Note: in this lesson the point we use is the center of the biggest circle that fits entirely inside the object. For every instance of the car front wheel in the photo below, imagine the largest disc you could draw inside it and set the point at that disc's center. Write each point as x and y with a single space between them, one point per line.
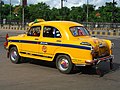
64 64
14 56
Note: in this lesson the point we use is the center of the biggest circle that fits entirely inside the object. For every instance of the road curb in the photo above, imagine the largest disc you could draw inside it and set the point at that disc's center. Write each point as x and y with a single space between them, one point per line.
101 33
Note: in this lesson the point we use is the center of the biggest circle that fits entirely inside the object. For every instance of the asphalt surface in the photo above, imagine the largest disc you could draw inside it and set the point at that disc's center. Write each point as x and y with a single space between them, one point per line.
37 75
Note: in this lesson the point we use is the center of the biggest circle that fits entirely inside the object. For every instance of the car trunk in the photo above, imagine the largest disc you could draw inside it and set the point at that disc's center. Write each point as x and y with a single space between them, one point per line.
100 47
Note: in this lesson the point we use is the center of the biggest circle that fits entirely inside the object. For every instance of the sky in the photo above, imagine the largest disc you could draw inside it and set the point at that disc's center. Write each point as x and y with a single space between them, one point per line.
69 3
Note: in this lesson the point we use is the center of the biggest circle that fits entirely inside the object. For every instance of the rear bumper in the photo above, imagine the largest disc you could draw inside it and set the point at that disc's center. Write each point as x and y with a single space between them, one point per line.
96 61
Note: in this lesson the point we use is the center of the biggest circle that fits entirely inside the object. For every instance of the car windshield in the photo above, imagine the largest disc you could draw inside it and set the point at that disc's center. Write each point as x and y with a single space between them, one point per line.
79 31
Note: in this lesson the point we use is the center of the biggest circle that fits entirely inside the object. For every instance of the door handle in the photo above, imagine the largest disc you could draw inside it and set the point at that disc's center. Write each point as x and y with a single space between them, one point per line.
36 39
58 40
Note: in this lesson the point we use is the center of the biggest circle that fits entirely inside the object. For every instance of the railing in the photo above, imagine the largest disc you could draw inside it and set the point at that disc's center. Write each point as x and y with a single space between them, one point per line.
115 27
102 29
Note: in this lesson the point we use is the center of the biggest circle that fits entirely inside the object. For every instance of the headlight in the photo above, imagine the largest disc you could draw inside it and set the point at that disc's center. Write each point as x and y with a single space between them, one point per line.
85 43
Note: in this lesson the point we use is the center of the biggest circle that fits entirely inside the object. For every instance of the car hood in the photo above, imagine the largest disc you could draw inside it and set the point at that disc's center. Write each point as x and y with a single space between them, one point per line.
16 37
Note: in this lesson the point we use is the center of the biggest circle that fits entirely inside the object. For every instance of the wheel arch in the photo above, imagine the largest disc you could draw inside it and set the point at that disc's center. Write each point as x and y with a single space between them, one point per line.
57 54
12 45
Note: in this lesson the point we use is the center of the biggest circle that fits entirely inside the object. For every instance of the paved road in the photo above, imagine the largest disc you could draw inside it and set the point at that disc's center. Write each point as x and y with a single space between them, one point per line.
10 32
44 75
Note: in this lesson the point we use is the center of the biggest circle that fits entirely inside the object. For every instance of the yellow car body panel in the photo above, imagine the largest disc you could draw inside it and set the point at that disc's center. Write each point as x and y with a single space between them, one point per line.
46 48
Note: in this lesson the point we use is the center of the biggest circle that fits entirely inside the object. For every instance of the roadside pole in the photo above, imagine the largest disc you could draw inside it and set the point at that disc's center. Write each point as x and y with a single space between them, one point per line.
23 15
62 8
1 3
10 14
24 3
1 13
87 12
62 11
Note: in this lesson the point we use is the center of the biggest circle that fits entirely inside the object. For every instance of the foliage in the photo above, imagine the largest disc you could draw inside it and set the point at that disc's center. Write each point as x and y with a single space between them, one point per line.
78 14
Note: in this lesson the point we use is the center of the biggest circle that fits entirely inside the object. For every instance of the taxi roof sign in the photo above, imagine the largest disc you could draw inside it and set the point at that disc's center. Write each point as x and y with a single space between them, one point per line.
36 21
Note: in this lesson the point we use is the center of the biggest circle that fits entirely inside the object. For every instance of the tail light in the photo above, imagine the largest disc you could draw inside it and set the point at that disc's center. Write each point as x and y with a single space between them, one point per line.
94 52
6 42
6 37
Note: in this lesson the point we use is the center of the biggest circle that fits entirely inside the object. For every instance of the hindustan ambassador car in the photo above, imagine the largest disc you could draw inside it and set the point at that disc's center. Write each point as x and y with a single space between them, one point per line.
67 43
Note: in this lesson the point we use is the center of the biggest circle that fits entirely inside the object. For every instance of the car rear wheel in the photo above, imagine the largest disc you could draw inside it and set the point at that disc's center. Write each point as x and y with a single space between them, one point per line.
64 64
14 56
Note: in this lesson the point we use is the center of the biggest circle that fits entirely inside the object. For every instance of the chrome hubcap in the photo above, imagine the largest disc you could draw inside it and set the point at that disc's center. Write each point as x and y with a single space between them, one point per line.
13 55
63 64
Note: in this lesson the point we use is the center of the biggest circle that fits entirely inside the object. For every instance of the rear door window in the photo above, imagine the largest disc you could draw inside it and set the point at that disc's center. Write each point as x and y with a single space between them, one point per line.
52 32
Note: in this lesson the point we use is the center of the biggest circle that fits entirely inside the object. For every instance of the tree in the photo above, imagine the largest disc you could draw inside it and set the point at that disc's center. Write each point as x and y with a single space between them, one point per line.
106 12
40 10
77 14
55 14
64 12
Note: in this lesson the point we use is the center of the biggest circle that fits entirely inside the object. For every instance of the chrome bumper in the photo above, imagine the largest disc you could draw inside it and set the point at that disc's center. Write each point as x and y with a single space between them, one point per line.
96 61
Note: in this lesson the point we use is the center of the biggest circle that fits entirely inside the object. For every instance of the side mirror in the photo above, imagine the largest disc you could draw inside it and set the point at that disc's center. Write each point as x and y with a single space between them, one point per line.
27 33
93 36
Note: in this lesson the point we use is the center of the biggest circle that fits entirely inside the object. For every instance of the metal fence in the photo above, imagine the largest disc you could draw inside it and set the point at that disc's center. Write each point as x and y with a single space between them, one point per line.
100 29
89 25
101 25
12 22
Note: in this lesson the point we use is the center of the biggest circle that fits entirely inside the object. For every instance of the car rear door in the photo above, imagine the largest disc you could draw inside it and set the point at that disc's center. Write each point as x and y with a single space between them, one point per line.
50 41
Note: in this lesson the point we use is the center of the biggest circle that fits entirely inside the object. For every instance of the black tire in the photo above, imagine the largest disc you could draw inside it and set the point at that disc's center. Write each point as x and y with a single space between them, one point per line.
111 64
64 64
14 56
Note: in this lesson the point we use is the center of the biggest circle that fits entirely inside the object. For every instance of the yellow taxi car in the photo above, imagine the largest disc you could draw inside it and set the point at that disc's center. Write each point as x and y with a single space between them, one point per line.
67 43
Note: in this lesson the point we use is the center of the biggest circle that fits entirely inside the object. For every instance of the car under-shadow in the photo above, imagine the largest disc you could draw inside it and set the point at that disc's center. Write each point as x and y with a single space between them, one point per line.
104 67
39 62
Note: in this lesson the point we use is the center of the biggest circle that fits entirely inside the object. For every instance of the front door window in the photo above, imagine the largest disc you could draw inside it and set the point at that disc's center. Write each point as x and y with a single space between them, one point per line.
34 31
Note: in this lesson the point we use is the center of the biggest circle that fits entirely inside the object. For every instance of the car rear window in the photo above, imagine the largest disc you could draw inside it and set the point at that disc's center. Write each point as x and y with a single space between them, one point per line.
79 31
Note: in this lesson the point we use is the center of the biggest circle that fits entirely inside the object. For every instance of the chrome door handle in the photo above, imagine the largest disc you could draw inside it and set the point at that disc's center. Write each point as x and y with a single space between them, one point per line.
58 40
36 39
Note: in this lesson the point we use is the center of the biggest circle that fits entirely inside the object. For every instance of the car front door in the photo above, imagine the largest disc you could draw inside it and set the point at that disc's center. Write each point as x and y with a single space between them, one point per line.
30 42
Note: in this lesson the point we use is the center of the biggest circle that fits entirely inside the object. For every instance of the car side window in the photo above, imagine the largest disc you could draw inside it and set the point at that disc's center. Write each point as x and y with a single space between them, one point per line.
52 32
34 31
